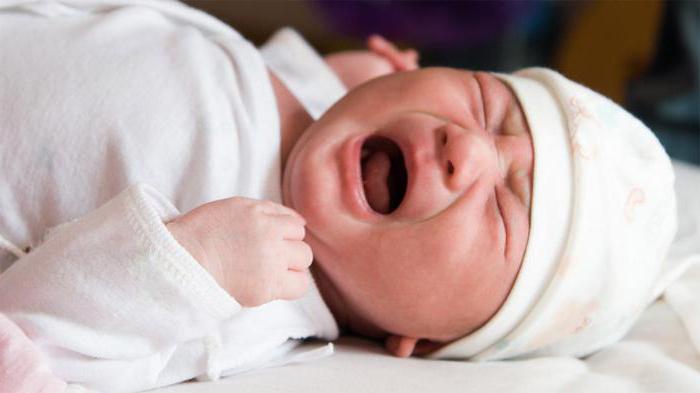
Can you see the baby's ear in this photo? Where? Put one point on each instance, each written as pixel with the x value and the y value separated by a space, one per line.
pixel 404 347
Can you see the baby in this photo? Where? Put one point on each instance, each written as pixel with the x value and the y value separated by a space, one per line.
pixel 448 213
pixel 415 192
pixel 415 205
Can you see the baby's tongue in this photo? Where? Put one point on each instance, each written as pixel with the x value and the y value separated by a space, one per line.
pixel 375 172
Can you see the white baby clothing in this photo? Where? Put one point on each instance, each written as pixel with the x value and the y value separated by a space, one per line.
pixel 115 117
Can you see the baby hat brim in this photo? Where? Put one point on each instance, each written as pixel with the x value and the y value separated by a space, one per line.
pixel 601 222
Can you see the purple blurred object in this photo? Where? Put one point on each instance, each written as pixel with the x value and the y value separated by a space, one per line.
pixel 426 24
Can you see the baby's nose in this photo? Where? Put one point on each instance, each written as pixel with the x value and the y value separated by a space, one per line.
pixel 466 157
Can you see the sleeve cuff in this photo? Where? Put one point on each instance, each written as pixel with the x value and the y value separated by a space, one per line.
pixel 147 213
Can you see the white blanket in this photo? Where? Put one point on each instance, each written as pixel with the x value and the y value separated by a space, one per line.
pixel 661 353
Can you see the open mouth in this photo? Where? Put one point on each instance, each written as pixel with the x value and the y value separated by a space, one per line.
pixel 384 174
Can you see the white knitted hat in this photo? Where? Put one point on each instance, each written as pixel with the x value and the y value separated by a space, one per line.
pixel 602 218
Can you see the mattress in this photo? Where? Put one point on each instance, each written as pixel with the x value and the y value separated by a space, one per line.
pixel 660 353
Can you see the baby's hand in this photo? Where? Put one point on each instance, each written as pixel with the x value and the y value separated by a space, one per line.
pixel 254 249
pixel 405 60
pixel 382 58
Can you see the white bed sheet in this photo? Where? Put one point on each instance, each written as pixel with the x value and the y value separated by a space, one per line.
pixel 656 355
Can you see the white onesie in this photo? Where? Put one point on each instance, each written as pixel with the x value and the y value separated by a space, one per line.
pixel 115 116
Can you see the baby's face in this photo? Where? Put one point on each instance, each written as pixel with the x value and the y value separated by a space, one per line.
pixel 416 190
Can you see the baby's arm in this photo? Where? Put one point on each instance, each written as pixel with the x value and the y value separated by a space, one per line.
pixel 382 57
pixel 117 293
pixel 114 294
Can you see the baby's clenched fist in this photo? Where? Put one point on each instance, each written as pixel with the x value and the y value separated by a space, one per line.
pixel 254 249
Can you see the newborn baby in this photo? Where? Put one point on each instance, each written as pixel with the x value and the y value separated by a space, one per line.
pixel 416 188
pixel 448 213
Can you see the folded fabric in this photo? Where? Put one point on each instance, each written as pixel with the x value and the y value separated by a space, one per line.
pixel 22 367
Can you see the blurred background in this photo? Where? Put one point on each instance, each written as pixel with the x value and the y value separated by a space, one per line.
pixel 643 54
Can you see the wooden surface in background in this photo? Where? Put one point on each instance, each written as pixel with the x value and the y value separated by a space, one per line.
pixel 608 43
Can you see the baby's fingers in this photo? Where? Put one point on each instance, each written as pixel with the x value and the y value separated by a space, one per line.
pixel 299 255
pixel 294 285
pixel 289 227
pixel 400 60
pixel 381 45
pixel 410 57
pixel 273 208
